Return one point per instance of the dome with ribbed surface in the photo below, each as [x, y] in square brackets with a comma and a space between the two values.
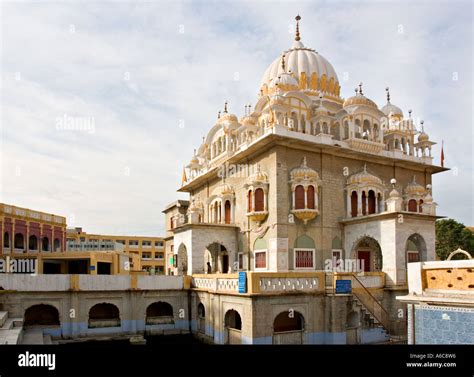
[300, 59]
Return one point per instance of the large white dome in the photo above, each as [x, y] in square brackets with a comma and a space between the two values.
[300, 59]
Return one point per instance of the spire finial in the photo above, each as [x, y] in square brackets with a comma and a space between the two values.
[422, 125]
[387, 89]
[297, 18]
[409, 113]
[225, 107]
[218, 115]
[304, 161]
[360, 89]
[365, 167]
[283, 63]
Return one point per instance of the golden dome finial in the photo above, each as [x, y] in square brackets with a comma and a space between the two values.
[297, 18]
[218, 115]
[360, 89]
[422, 125]
[283, 62]
[387, 89]
[225, 107]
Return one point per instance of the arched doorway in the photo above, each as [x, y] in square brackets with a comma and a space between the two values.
[57, 245]
[354, 204]
[6, 240]
[159, 313]
[201, 318]
[288, 328]
[415, 249]
[233, 327]
[368, 253]
[218, 257]
[41, 315]
[104, 315]
[181, 260]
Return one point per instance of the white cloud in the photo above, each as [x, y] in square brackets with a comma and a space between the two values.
[140, 69]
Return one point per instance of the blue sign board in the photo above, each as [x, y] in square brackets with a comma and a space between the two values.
[343, 286]
[242, 282]
[92, 268]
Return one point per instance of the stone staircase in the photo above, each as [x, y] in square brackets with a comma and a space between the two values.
[11, 329]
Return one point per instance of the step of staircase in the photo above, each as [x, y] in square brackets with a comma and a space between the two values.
[33, 336]
[12, 336]
[47, 339]
[3, 318]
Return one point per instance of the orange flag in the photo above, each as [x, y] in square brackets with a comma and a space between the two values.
[183, 177]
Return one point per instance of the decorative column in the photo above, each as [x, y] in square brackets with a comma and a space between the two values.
[349, 203]
[306, 197]
[359, 203]
[293, 196]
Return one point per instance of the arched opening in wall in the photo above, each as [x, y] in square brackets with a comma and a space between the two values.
[299, 197]
[294, 121]
[41, 315]
[303, 124]
[57, 245]
[376, 132]
[259, 200]
[6, 240]
[346, 130]
[310, 199]
[181, 260]
[104, 315]
[45, 244]
[325, 128]
[366, 129]
[33, 243]
[371, 202]
[304, 253]
[397, 145]
[216, 259]
[19, 241]
[159, 313]
[368, 253]
[358, 130]
[201, 318]
[249, 201]
[420, 206]
[352, 330]
[416, 249]
[364, 201]
[354, 204]
[380, 204]
[227, 214]
[233, 326]
[335, 131]
[412, 206]
[288, 328]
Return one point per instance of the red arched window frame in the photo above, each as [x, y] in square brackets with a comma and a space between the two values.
[354, 204]
[310, 197]
[259, 197]
[371, 202]
[249, 201]
[412, 205]
[299, 197]
[227, 212]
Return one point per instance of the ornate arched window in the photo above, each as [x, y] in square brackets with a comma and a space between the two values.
[354, 204]
[304, 186]
[310, 195]
[364, 194]
[299, 197]
[371, 201]
[412, 205]
[227, 214]
[249, 201]
[257, 196]
[259, 200]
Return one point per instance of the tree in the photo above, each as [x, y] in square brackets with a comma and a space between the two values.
[451, 235]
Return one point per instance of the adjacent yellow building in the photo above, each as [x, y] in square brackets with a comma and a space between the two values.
[148, 253]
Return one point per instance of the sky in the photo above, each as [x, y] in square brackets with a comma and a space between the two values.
[102, 103]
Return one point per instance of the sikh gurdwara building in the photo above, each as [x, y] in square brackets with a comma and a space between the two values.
[304, 182]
